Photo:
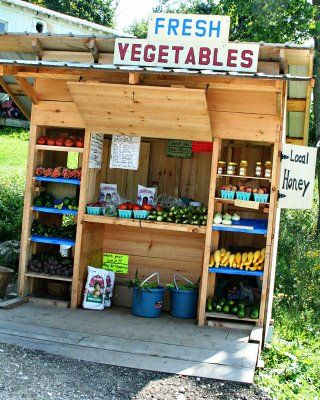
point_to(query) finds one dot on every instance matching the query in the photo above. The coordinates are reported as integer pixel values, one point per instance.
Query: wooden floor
(116, 337)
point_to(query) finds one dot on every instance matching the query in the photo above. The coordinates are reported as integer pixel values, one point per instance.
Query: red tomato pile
(61, 141)
(130, 206)
(59, 172)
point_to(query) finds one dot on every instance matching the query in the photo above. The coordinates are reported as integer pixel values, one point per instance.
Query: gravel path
(34, 375)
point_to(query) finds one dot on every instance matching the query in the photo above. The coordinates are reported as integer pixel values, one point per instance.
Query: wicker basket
(57, 289)
(5, 277)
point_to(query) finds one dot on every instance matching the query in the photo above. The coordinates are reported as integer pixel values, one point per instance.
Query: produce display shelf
(57, 180)
(52, 210)
(245, 225)
(232, 201)
(46, 276)
(59, 148)
(234, 271)
(244, 177)
(52, 240)
(168, 226)
(215, 314)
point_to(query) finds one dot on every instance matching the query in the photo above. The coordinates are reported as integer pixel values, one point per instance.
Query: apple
(234, 188)
(260, 191)
(224, 187)
(249, 190)
(255, 190)
(242, 188)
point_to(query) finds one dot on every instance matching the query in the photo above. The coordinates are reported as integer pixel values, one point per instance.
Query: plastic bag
(94, 292)
(110, 278)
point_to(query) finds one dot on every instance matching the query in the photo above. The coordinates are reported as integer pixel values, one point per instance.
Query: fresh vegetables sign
(298, 166)
(188, 41)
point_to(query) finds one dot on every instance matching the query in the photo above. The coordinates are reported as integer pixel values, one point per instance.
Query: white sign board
(125, 152)
(187, 41)
(96, 148)
(297, 176)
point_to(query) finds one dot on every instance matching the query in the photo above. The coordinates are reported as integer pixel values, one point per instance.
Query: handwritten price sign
(116, 262)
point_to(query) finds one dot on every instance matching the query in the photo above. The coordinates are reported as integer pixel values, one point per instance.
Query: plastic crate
(140, 214)
(243, 196)
(227, 194)
(94, 210)
(261, 198)
(125, 213)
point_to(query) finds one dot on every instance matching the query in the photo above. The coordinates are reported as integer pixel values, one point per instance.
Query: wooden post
(207, 245)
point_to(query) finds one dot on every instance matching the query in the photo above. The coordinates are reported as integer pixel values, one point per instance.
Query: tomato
(129, 206)
(69, 142)
(159, 208)
(42, 140)
(147, 207)
(60, 142)
(79, 143)
(51, 142)
(136, 207)
(123, 206)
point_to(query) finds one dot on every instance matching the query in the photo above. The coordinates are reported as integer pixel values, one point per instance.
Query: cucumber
(159, 218)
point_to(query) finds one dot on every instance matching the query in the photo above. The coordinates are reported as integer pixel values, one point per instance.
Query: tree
(99, 11)
(139, 29)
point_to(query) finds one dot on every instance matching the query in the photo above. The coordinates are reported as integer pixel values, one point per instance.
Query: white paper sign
(297, 176)
(125, 152)
(96, 148)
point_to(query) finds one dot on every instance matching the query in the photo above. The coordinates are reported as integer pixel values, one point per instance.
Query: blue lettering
(186, 27)
(200, 28)
(172, 26)
(158, 25)
(214, 28)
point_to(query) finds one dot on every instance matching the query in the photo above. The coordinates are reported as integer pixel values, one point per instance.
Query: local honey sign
(188, 41)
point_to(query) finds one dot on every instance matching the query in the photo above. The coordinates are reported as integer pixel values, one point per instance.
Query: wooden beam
(296, 105)
(94, 50)
(36, 47)
(134, 78)
(28, 89)
(21, 106)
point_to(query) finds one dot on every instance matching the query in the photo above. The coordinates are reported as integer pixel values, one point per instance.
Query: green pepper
(226, 309)
(241, 313)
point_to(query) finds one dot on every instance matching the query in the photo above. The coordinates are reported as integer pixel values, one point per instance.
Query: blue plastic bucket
(183, 303)
(147, 303)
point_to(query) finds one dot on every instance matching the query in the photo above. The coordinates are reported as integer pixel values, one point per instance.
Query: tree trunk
(316, 90)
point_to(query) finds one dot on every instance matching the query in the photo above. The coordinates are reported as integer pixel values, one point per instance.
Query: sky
(129, 10)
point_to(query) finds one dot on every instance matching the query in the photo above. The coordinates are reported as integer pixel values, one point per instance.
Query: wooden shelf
(231, 201)
(59, 148)
(219, 315)
(243, 177)
(46, 276)
(168, 226)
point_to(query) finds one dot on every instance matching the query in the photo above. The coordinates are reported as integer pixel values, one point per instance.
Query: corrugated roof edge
(49, 34)
(155, 70)
(74, 20)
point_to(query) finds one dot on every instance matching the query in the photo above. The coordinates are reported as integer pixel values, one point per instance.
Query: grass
(293, 358)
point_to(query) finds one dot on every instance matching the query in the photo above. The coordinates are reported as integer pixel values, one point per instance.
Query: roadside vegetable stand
(239, 112)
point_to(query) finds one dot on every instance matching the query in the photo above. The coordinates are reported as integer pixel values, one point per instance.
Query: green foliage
(139, 29)
(9, 254)
(99, 11)
(255, 20)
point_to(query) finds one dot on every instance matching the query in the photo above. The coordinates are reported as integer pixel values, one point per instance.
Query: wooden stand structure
(242, 115)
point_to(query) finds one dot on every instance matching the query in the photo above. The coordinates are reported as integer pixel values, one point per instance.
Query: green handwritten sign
(116, 262)
(179, 148)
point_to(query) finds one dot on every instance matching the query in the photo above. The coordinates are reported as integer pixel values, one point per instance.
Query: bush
(9, 254)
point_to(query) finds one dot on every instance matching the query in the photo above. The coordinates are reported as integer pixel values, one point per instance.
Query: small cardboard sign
(116, 262)
(96, 149)
(125, 152)
(179, 148)
(254, 205)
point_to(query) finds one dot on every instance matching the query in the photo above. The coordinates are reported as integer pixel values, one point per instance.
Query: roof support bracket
(94, 50)
(28, 89)
(134, 78)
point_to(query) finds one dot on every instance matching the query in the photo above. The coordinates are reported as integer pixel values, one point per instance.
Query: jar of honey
(258, 169)
(268, 169)
(221, 167)
(231, 170)
(243, 168)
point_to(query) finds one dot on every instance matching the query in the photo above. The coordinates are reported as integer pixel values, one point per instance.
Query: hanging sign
(188, 41)
(125, 152)
(202, 147)
(116, 262)
(96, 148)
(179, 148)
(297, 176)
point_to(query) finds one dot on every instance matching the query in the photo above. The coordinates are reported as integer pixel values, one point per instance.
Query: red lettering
(204, 56)
(246, 61)
(190, 57)
(149, 57)
(215, 58)
(122, 50)
(177, 50)
(163, 53)
(232, 56)
(136, 52)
